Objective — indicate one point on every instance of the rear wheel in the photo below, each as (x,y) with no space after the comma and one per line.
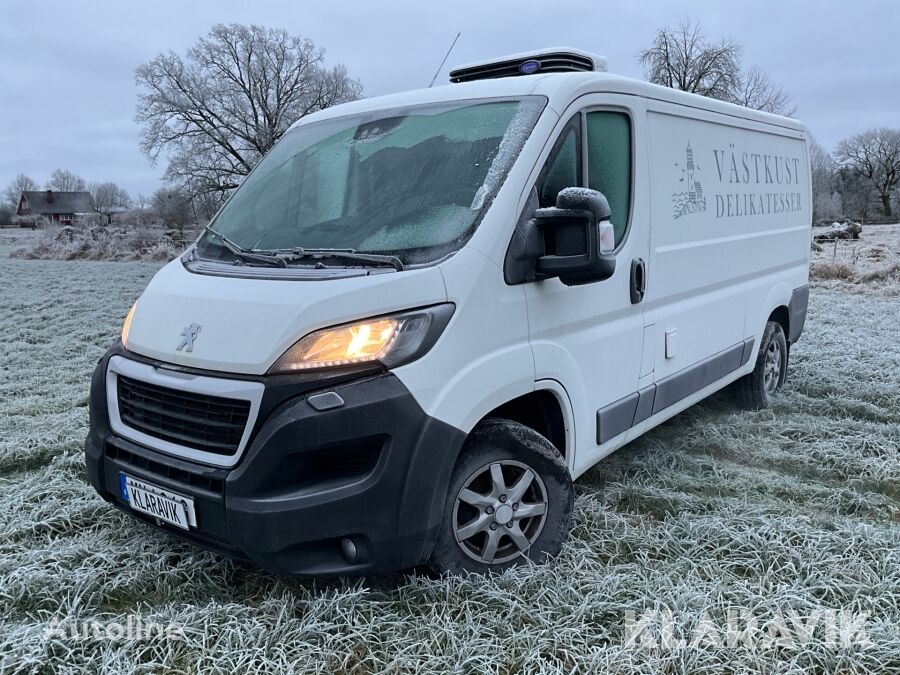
(510,499)
(758,389)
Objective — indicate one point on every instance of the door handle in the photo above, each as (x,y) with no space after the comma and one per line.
(638,280)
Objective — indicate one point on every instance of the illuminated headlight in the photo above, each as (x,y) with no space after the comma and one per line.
(387,340)
(126,326)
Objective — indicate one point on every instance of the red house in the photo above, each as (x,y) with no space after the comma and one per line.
(56,207)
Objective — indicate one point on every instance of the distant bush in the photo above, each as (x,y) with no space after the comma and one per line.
(886,274)
(827,271)
(883,280)
(132,236)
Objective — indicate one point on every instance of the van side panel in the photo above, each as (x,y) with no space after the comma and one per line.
(730,232)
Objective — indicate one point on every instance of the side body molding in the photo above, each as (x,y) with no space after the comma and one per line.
(621,415)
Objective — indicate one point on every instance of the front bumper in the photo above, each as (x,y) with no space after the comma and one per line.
(373,471)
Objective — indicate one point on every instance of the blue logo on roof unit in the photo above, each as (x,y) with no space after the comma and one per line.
(529,67)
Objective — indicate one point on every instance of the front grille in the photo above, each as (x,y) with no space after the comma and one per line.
(562,62)
(199,421)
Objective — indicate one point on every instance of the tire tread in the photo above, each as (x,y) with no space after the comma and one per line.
(750,390)
(496,438)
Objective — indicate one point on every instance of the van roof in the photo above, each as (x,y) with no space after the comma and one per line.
(559,88)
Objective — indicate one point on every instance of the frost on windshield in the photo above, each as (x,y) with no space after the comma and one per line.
(510,145)
(452,220)
(413,182)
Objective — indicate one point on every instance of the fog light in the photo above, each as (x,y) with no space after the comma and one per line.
(348,549)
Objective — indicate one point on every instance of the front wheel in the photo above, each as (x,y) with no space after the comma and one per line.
(757,390)
(510,499)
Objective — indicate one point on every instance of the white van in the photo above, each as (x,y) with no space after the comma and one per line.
(424,315)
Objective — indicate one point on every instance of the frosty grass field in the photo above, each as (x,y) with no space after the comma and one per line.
(793,508)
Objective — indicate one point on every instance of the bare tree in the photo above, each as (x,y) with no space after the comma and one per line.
(173,207)
(875,156)
(17,186)
(825,197)
(66,181)
(757,91)
(141,201)
(205,206)
(684,58)
(217,111)
(856,193)
(108,196)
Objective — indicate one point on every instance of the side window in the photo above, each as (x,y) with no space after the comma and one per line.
(609,163)
(563,168)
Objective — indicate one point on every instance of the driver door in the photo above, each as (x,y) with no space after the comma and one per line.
(590,337)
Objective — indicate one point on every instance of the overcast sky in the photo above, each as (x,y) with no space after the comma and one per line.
(67,92)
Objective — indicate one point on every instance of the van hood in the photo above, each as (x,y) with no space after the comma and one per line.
(246,324)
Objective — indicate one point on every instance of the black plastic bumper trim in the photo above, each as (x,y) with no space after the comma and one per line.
(797,309)
(615,418)
(374,470)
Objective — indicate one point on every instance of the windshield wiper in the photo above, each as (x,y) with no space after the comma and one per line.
(245,255)
(298,253)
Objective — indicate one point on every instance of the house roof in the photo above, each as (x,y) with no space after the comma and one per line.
(62,202)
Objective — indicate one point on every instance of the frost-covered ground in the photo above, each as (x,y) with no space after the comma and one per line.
(865,265)
(791,509)
(16,237)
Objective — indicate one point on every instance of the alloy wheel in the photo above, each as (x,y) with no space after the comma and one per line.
(500,511)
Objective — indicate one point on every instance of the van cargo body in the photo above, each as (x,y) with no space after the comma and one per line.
(423,315)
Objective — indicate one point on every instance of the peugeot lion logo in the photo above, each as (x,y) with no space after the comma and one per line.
(188,335)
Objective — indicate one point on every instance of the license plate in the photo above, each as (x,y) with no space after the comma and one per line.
(164,505)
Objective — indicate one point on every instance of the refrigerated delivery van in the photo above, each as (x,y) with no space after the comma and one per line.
(423,316)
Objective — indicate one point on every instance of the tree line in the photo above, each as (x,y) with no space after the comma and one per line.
(860,179)
(106,195)
(213,113)
(170,204)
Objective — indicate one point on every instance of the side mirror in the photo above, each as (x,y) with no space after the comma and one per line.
(578,238)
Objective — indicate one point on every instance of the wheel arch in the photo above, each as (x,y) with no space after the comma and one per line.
(546,410)
(776,308)
(782,316)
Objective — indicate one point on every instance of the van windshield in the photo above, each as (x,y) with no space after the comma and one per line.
(411,183)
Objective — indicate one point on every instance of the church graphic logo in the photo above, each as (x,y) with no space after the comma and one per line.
(690,199)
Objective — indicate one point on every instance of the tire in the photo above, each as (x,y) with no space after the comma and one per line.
(758,389)
(483,528)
